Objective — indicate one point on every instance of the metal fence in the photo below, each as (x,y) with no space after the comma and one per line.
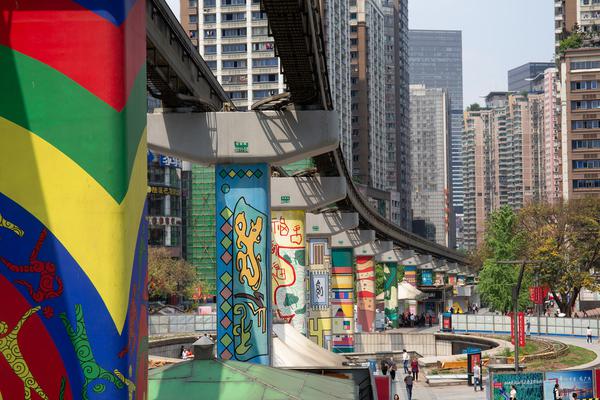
(537,325)
(169,324)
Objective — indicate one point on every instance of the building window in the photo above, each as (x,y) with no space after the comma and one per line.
(586,184)
(262,46)
(193,19)
(584,85)
(210,33)
(261,94)
(260,31)
(212,64)
(234,32)
(585,124)
(210,49)
(228,17)
(586,164)
(261,78)
(233,48)
(209,3)
(586,144)
(258,15)
(234,64)
(210,18)
(265,62)
(193,34)
(238,95)
(233,2)
(234,79)
(579,65)
(193,3)
(585,104)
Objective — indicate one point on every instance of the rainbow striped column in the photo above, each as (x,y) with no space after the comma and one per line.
(342,303)
(72,194)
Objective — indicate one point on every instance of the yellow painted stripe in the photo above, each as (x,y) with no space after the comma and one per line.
(342,282)
(99,233)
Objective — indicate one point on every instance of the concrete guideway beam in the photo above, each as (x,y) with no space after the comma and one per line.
(404,254)
(353,238)
(306,193)
(391,256)
(274,137)
(373,248)
(328,224)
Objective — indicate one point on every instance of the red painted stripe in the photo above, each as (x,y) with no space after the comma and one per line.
(364,270)
(341,270)
(365,295)
(79,43)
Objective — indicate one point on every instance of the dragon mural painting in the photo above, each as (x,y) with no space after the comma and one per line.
(391,292)
(342,302)
(73,235)
(288,267)
(243,263)
(365,302)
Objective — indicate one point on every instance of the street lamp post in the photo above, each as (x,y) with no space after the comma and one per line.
(515,299)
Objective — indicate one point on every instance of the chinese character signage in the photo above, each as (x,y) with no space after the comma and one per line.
(570,382)
(529,386)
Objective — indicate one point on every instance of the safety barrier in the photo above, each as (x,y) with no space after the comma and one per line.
(175,324)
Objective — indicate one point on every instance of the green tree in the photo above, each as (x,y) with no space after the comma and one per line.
(474,107)
(503,242)
(573,41)
(566,239)
(168,275)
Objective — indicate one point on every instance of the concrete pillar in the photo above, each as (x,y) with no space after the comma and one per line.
(73,236)
(342,285)
(319,228)
(365,280)
(288,267)
(390,262)
(243,254)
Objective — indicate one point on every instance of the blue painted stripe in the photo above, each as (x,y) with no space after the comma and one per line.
(115,11)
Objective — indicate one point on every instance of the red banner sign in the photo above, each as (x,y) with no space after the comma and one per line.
(537,294)
(521,322)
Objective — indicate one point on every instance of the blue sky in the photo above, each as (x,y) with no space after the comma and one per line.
(497,35)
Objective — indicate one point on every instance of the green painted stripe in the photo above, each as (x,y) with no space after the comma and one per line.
(90,132)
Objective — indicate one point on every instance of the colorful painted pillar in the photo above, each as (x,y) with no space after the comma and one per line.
(342,287)
(73,236)
(365,283)
(390,260)
(319,229)
(243,262)
(409,266)
(288,267)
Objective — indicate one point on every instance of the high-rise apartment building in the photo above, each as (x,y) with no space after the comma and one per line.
(565,18)
(336,14)
(528,77)
(503,153)
(233,38)
(431,180)
(367,58)
(580,123)
(435,60)
(552,173)
(397,101)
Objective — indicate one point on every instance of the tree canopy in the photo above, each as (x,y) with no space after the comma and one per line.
(503,242)
(566,239)
(168,275)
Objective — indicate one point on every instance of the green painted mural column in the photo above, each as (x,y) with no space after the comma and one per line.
(390,273)
(73,236)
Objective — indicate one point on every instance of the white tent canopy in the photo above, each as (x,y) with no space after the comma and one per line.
(406,291)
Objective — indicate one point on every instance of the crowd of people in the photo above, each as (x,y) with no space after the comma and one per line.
(410,368)
(410,320)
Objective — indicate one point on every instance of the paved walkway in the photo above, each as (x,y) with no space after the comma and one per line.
(421,391)
(581,342)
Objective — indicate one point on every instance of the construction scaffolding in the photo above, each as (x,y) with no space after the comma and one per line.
(200,235)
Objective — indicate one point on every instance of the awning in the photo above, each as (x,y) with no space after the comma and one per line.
(406,291)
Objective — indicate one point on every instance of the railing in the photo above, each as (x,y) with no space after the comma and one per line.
(179,324)
(500,324)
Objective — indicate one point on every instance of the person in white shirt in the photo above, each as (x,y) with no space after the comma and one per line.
(513,393)
(477,377)
(589,335)
(405,360)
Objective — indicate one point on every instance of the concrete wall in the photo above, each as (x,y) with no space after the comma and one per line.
(539,325)
(423,344)
(170,324)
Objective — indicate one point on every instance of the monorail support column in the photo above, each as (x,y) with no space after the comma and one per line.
(73,236)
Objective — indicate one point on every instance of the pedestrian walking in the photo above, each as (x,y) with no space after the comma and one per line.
(513,392)
(408,381)
(414,367)
(393,371)
(556,392)
(405,360)
(477,377)
(384,367)
(589,335)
